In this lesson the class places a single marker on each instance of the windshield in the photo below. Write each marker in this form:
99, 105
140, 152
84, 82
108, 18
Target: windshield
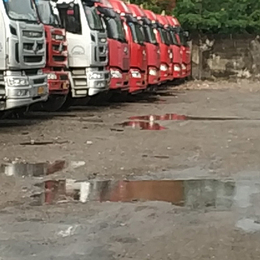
46, 13
149, 34
93, 18
163, 35
115, 29
137, 33
183, 38
20, 11
173, 38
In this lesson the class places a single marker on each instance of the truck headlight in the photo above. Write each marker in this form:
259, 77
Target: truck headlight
19, 93
116, 74
12, 82
51, 76
94, 75
135, 74
152, 72
177, 68
163, 67
183, 67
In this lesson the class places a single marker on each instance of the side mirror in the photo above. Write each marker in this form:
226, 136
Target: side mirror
187, 35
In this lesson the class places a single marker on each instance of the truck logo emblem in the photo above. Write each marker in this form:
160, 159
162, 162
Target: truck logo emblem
61, 48
35, 47
144, 53
125, 50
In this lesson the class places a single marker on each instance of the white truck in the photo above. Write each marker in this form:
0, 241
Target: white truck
87, 47
22, 56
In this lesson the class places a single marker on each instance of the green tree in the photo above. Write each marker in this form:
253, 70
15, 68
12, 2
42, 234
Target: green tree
219, 16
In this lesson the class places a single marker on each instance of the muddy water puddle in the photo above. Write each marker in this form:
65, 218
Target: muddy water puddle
190, 193
26, 169
147, 122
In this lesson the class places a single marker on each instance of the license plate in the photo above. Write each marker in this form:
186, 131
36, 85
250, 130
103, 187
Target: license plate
64, 86
41, 90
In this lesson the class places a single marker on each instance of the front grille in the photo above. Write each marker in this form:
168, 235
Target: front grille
30, 46
56, 47
59, 58
63, 77
33, 59
38, 81
102, 59
102, 50
17, 53
32, 34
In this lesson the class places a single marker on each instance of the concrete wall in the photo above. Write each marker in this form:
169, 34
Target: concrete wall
226, 56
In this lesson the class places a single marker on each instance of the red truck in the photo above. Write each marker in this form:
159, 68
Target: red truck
135, 38
152, 46
185, 48
175, 46
119, 56
56, 60
165, 48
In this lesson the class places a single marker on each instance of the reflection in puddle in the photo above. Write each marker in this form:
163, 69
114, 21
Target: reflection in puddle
143, 125
32, 169
240, 197
177, 117
158, 117
191, 193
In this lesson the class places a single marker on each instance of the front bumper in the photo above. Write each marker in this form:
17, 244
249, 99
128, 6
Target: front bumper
88, 82
58, 82
177, 73
153, 76
24, 95
137, 84
121, 84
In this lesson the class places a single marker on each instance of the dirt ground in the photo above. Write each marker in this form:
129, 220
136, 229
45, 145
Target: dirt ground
216, 137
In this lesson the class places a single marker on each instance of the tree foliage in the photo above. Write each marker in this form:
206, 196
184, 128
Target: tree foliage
219, 16
211, 16
156, 6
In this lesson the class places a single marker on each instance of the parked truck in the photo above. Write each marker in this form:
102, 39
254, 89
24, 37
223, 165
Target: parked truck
138, 55
185, 48
22, 56
152, 46
119, 55
56, 57
175, 46
165, 48
87, 47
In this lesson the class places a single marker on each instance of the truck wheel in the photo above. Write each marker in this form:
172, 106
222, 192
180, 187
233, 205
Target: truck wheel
100, 98
54, 103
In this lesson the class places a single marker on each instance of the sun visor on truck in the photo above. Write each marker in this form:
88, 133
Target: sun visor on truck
107, 12
131, 19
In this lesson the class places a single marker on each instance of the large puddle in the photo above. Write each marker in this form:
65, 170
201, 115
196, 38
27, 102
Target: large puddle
191, 193
147, 122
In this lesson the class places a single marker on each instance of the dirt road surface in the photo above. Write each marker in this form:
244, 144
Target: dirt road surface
174, 175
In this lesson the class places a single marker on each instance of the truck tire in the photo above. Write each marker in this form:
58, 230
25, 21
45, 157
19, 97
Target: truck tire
100, 99
54, 103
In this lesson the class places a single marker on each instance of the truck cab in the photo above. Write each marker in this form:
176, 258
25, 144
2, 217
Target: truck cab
119, 55
162, 36
138, 55
152, 46
87, 47
22, 56
56, 57
182, 37
175, 46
